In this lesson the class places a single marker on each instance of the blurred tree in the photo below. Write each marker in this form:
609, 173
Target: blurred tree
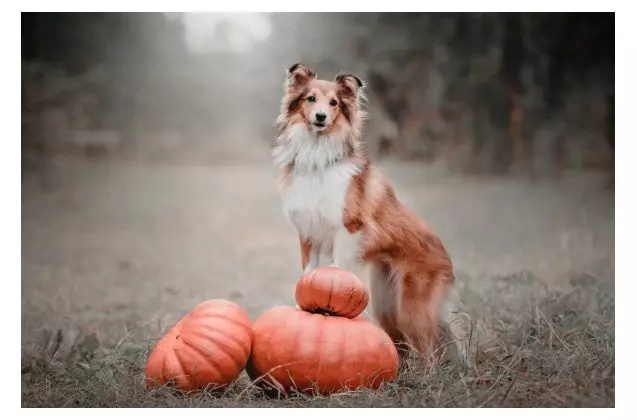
492, 79
487, 92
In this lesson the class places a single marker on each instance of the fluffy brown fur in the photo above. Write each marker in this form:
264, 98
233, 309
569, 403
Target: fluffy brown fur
411, 271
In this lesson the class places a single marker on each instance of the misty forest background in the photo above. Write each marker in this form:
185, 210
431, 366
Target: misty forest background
489, 93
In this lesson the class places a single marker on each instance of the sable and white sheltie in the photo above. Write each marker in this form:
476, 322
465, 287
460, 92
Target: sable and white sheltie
343, 208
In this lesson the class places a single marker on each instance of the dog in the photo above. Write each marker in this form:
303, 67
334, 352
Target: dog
345, 209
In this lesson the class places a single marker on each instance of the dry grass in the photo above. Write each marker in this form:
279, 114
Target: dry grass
101, 257
557, 350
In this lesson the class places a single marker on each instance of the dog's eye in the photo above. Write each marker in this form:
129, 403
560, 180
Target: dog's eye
333, 102
311, 99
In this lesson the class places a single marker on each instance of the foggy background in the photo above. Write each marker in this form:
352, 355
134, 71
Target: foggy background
479, 93
147, 185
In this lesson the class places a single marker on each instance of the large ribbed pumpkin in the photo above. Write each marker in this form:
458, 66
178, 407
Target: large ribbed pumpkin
332, 291
210, 346
316, 350
315, 353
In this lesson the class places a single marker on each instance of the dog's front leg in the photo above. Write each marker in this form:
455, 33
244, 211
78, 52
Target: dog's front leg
314, 260
346, 249
309, 256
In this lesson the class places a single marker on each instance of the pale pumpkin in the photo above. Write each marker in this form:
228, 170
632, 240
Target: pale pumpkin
210, 346
296, 350
332, 291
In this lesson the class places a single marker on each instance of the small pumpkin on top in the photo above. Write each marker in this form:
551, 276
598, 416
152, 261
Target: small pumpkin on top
332, 291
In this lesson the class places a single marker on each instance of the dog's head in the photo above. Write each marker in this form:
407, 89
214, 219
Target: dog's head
324, 106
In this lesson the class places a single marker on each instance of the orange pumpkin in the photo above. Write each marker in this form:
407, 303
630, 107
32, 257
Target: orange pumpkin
332, 291
209, 346
315, 353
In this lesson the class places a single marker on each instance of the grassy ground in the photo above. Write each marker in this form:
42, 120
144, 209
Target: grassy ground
558, 354
114, 255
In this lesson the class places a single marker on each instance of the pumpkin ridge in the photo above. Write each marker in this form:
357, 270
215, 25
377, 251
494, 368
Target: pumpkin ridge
272, 371
320, 355
209, 359
177, 376
220, 316
164, 370
205, 313
342, 344
309, 287
317, 307
380, 372
329, 297
211, 328
351, 295
231, 353
358, 304
224, 349
185, 374
292, 358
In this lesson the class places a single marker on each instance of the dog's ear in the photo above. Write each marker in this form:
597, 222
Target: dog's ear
299, 75
348, 85
349, 90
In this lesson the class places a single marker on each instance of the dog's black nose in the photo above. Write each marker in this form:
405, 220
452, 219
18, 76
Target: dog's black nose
320, 117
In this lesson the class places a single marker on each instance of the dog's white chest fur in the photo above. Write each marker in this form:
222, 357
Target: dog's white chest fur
314, 202
314, 199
